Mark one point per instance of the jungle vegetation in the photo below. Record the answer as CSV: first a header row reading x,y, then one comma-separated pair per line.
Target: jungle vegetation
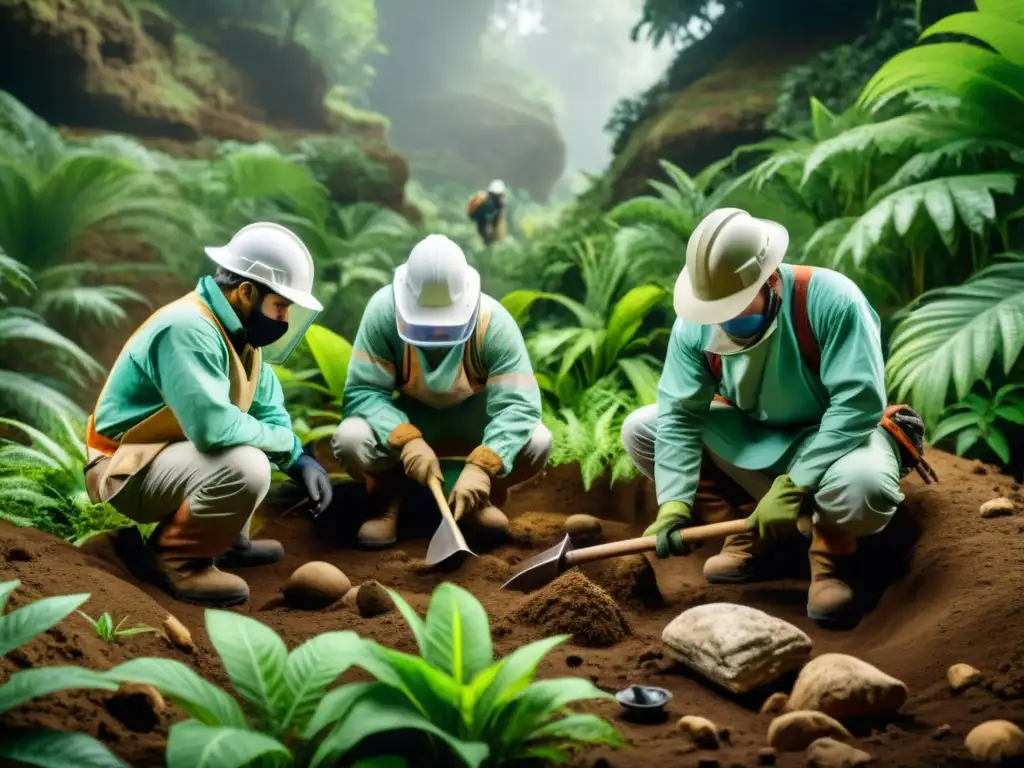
x,y
906,179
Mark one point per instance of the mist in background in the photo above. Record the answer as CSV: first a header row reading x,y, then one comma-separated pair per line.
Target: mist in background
x,y
582,51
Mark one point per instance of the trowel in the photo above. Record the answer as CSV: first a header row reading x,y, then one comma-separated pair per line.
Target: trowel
x,y
550,564
447,546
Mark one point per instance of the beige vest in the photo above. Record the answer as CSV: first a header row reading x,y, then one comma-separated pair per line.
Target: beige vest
x,y
112,463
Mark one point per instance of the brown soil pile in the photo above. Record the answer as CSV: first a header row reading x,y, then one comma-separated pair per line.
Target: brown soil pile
x,y
630,580
574,605
942,586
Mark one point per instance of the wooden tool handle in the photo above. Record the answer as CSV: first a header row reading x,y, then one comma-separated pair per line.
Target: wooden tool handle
x,y
646,543
442,503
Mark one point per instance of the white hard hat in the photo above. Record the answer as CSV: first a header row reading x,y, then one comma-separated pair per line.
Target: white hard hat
x,y
276,258
729,257
496,187
437,294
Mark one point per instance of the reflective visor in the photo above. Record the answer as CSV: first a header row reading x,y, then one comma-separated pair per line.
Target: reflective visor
x,y
436,335
299,320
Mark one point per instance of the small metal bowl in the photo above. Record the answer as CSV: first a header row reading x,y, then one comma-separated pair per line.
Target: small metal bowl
x,y
644,698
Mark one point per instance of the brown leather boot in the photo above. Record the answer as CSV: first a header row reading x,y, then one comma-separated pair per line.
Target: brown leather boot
x,y
489,523
737,562
381,530
829,597
182,552
246,553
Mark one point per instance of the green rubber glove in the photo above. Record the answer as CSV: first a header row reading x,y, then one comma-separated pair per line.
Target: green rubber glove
x,y
672,515
777,512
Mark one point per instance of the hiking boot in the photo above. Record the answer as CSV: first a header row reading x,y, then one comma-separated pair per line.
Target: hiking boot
x,y
489,523
381,530
200,581
829,597
246,553
737,561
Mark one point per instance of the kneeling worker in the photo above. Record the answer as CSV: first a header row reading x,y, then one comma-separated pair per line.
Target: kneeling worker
x,y
792,357
465,387
192,416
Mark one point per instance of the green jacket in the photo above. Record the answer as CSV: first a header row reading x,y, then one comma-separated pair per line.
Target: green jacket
x,y
513,397
786,419
180,360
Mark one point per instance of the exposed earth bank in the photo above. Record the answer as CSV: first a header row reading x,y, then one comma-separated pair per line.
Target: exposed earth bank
x,y
956,595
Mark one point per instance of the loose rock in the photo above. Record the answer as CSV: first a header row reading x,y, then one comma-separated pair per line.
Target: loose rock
x,y
942,732
775,704
178,634
796,731
845,687
700,729
998,508
583,527
829,753
766,756
963,676
373,600
315,585
995,741
737,647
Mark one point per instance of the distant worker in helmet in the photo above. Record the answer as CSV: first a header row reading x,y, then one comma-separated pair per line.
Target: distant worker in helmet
x,y
488,211
191,418
774,379
466,388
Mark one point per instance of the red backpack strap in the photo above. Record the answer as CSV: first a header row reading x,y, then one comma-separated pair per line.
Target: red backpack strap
x,y
809,349
714,365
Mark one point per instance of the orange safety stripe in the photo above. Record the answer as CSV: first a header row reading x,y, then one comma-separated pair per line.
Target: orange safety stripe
x,y
98,442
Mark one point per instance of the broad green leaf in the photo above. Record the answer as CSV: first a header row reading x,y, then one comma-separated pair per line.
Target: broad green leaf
x,y
197,697
336,705
627,316
996,440
581,728
518,303
642,377
967,439
332,354
1006,38
384,761
539,702
458,633
1007,9
253,655
954,424
416,624
429,690
516,672
30,684
1010,414
382,711
885,137
21,625
193,745
56,749
6,588
310,669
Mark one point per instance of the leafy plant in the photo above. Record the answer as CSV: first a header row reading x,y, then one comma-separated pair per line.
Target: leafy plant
x,y
45,748
282,693
977,418
484,712
110,632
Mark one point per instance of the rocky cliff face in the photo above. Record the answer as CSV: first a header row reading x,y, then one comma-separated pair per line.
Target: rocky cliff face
x,y
132,68
722,108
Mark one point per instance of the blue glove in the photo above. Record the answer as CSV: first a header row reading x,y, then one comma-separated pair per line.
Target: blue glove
x,y
307,472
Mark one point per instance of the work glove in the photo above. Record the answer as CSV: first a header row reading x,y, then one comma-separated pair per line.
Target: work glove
x,y
307,472
778,511
472,491
420,463
672,517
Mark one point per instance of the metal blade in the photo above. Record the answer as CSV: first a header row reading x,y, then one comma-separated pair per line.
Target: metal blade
x,y
447,544
540,569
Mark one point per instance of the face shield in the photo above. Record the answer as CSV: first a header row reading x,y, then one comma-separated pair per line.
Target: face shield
x,y
299,320
436,335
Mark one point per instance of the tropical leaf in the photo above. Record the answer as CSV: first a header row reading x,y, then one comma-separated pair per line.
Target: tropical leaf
x,y
953,336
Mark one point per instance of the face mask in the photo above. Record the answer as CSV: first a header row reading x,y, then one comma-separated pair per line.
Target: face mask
x,y
745,326
262,330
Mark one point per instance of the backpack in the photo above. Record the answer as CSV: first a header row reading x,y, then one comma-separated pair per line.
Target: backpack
x,y
901,421
474,202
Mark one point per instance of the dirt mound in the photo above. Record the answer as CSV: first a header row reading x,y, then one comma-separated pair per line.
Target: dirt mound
x,y
954,592
573,605
537,530
630,580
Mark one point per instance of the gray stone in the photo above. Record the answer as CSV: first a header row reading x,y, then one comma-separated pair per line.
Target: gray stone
x,y
735,646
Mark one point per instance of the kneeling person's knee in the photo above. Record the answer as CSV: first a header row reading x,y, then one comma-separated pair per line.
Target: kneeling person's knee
x,y
860,503
244,475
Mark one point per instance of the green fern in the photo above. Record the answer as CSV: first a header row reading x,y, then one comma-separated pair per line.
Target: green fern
x,y
953,336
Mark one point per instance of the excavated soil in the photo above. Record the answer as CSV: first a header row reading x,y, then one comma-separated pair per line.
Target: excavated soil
x,y
943,585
